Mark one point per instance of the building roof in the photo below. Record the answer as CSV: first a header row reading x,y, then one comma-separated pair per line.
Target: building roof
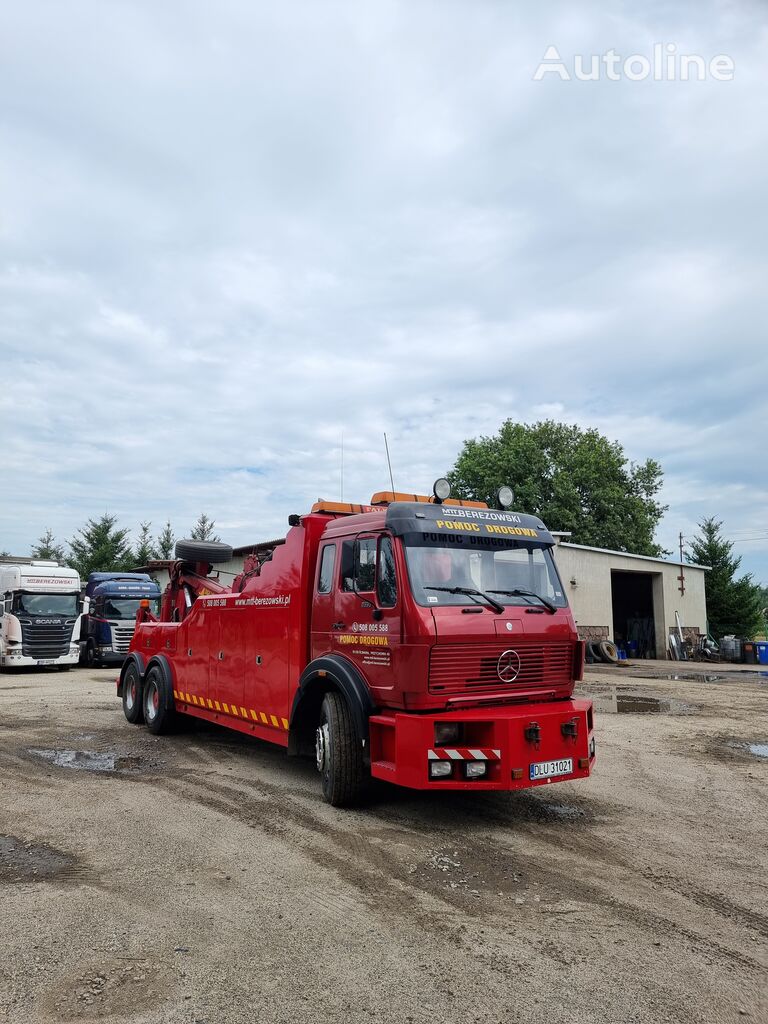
x,y
626,554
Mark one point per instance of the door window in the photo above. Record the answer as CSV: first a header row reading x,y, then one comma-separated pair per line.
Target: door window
x,y
327,562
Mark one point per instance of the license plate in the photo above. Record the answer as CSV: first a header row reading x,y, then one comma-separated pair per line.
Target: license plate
x,y
550,769
47,661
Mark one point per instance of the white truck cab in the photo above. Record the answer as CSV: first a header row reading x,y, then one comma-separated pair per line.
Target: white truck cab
x,y
41,609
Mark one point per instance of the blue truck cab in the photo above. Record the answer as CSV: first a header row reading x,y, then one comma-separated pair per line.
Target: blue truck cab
x,y
108,627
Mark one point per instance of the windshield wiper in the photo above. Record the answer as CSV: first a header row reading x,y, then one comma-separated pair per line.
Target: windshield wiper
x,y
471,592
552,608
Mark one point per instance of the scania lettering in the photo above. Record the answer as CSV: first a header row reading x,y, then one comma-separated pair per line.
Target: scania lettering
x,y
383,643
114,599
40,615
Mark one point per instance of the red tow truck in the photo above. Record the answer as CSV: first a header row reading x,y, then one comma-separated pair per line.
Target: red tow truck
x,y
420,640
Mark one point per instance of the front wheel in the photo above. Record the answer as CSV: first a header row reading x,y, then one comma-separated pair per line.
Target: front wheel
x,y
90,654
339,753
132,705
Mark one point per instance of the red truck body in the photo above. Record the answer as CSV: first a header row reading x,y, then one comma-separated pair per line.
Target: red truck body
x,y
433,677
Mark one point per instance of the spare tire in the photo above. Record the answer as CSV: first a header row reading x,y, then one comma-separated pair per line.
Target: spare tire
x,y
212,551
593,651
608,652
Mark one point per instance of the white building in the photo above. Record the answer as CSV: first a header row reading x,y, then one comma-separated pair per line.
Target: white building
x,y
634,598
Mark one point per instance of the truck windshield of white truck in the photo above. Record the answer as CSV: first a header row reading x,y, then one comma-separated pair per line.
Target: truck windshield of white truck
x,y
45,604
513,572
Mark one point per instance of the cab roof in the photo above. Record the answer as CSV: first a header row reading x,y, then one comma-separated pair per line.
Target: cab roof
x,y
403,517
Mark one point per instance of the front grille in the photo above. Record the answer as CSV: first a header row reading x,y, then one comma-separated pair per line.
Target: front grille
x,y
472,668
45,639
121,638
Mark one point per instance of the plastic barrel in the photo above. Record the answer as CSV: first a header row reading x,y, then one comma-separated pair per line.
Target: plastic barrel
x,y
727,648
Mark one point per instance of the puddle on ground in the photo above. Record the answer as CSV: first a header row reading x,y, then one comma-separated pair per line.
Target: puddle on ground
x,y
31,862
88,760
693,677
639,704
758,749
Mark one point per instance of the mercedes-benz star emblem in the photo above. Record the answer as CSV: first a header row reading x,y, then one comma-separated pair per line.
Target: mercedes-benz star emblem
x,y
508,666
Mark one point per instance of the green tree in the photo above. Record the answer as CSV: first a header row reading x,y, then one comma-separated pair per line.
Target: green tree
x,y
100,547
573,479
47,549
165,542
734,606
203,529
145,549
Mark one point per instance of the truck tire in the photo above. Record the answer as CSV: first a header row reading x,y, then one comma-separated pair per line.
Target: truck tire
x,y
90,654
203,551
593,652
159,713
132,703
339,753
608,652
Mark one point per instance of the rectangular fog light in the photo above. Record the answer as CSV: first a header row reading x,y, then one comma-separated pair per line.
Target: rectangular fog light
x,y
439,769
475,769
447,732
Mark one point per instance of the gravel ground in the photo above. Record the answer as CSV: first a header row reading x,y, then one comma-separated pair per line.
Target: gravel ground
x,y
199,878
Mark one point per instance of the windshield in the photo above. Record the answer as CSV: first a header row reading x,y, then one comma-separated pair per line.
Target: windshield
x,y
126,607
496,566
46,604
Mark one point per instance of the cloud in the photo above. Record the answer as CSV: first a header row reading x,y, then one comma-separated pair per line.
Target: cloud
x,y
233,236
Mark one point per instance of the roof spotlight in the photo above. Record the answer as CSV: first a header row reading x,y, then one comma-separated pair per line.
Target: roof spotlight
x,y
505,497
441,489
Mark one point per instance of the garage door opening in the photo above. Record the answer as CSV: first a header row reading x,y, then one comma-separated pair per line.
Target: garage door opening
x,y
633,613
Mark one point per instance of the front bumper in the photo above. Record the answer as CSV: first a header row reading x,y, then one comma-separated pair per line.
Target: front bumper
x,y
508,739
13,658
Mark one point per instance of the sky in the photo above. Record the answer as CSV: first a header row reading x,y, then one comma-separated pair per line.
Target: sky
x,y
238,240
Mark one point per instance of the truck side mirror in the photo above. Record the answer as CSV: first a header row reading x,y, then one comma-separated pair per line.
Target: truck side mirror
x,y
86,606
369,598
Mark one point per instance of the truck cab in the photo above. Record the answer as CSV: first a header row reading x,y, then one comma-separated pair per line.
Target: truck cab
x,y
41,612
114,599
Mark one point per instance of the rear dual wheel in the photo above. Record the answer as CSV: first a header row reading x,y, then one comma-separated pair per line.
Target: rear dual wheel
x,y
157,704
132,705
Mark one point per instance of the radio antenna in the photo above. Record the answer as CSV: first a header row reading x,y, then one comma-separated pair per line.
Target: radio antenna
x,y
389,462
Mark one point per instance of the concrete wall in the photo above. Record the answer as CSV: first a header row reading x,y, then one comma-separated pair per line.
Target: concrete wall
x,y
590,596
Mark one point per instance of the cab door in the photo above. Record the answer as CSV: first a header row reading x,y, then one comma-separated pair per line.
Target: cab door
x,y
367,621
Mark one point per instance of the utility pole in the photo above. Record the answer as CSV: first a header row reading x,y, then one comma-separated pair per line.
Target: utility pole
x,y
681,577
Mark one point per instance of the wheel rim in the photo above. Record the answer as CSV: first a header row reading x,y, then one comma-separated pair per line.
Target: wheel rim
x,y
322,744
130,694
